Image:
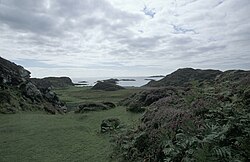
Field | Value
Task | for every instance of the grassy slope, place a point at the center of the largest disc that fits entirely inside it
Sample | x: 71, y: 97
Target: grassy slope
x: 70, y: 137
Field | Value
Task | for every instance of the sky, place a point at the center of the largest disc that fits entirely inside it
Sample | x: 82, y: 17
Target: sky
x: 108, y: 38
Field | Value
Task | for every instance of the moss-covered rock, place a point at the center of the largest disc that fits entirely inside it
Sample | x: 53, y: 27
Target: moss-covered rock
x: 110, y: 124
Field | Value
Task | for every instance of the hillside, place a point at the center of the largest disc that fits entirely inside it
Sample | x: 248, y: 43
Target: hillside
x: 207, y: 121
x: 183, y: 77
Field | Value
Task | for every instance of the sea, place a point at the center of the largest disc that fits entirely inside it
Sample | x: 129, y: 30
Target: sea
x: 124, y: 81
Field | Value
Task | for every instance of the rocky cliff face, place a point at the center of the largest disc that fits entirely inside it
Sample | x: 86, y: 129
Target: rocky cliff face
x: 19, y: 93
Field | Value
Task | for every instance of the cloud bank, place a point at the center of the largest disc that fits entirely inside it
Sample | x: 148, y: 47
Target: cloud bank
x: 82, y: 38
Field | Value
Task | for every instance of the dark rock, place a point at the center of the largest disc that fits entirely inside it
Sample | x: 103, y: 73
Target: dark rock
x: 110, y: 124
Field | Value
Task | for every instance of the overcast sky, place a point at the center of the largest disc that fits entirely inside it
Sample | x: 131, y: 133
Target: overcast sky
x: 84, y: 38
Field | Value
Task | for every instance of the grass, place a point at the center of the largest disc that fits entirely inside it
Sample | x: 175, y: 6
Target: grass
x: 76, y: 95
x: 72, y: 137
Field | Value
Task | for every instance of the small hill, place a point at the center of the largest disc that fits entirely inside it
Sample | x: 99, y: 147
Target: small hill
x: 106, y: 86
x: 185, y: 76
x: 53, y: 82
x: 59, y: 81
x: 19, y: 93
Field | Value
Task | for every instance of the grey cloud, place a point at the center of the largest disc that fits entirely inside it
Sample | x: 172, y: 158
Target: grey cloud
x: 210, y: 48
x: 182, y: 30
x: 140, y: 42
x: 181, y: 40
x: 27, y: 21
x: 87, y: 33
x: 61, y: 14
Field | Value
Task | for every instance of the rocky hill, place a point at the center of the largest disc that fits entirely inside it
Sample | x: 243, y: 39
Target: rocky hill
x: 185, y: 76
x: 208, y: 120
x: 107, y: 85
x: 53, y: 82
x: 19, y: 93
x: 59, y: 82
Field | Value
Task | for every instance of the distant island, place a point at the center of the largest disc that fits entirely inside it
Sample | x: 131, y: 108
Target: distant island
x: 149, y: 79
x: 156, y: 76
x: 83, y: 81
x: 80, y: 84
x: 127, y: 80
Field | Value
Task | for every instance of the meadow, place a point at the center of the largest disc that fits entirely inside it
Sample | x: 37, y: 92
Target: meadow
x: 37, y: 136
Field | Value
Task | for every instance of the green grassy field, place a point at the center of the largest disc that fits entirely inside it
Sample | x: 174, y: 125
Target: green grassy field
x: 71, y: 137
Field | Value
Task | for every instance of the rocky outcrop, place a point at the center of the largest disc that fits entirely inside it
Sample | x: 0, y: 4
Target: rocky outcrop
x: 20, y: 93
x: 110, y: 124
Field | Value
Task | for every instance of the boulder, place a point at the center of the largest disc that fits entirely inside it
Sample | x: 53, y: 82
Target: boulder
x: 110, y: 124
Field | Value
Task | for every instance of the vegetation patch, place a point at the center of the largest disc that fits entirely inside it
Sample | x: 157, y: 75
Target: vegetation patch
x: 208, y: 121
